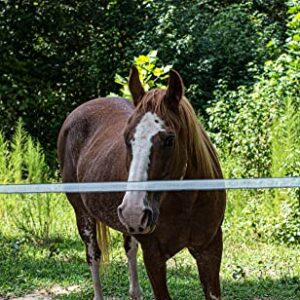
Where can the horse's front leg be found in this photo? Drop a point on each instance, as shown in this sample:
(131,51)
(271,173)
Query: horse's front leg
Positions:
(131,247)
(208,262)
(155,263)
(87,230)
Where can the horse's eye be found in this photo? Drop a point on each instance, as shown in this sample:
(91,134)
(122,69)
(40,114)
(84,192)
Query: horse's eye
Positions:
(169,141)
(128,142)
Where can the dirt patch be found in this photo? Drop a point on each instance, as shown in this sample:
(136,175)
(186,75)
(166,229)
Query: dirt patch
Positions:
(46,294)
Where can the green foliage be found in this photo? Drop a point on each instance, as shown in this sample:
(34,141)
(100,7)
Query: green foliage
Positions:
(151,75)
(55,56)
(247,117)
(258,129)
(23,161)
(286,162)
(211,40)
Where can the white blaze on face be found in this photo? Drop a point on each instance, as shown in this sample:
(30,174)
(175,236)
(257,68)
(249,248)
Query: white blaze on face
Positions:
(149,126)
(133,207)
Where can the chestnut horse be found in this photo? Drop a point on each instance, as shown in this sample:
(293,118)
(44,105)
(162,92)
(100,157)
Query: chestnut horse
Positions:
(157,137)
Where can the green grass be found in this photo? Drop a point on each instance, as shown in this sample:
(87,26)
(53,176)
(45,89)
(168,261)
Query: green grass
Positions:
(251,269)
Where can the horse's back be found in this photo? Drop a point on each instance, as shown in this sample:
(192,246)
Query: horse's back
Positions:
(105,116)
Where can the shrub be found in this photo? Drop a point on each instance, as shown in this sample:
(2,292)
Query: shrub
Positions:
(261,127)
(211,40)
(151,75)
(54,56)
(33,215)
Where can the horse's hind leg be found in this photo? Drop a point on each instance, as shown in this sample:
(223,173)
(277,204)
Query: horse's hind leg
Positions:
(87,230)
(93,255)
(208,262)
(131,247)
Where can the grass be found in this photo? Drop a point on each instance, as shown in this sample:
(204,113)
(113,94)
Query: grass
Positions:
(251,269)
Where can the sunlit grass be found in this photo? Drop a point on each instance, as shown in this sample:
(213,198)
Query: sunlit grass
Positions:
(250,270)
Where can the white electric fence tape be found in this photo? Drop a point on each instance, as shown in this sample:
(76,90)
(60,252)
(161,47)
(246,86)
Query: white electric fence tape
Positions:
(166,185)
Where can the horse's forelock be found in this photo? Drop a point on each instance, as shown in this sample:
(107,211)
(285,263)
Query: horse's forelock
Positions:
(154,101)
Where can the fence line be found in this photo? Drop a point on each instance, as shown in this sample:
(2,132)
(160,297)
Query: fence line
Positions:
(165,185)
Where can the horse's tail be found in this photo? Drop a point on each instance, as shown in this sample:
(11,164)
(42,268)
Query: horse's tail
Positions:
(103,240)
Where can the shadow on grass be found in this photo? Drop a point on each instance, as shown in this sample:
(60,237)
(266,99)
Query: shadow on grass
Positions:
(25,268)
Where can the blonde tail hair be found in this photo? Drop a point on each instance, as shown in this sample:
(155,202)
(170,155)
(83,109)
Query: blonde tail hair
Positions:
(103,240)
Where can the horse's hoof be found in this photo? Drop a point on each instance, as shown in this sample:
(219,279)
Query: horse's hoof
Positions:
(136,295)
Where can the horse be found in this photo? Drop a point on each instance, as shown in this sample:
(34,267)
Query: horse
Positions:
(156,136)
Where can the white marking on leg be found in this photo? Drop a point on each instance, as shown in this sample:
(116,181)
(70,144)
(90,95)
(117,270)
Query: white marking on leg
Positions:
(213,297)
(98,295)
(134,288)
(94,267)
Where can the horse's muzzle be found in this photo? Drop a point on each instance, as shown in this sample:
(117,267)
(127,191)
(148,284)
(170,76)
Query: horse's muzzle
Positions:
(135,215)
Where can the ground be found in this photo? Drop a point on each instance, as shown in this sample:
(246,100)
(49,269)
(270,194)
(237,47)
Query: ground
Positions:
(250,271)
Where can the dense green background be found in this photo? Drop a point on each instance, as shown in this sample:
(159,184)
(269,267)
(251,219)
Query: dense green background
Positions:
(55,55)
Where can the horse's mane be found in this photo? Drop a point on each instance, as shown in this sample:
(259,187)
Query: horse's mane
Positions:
(201,153)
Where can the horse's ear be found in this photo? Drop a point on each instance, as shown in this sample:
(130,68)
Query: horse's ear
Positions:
(136,89)
(175,90)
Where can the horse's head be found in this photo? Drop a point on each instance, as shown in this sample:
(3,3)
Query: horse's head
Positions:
(154,152)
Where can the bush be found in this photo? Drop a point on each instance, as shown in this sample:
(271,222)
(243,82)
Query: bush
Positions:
(54,56)
(211,40)
(57,55)
(151,75)
(258,128)
(23,161)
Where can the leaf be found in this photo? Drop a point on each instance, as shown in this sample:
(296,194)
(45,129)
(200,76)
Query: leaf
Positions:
(149,67)
(296,37)
(120,80)
(142,59)
(158,71)
(167,68)
(153,54)
(270,44)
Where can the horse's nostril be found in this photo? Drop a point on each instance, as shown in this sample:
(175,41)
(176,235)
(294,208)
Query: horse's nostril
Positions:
(120,213)
(131,230)
(141,229)
(147,218)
